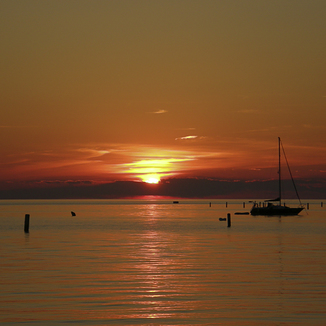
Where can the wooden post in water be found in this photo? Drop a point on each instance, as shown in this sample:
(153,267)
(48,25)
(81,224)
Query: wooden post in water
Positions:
(307,205)
(229,220)
(26,225)
(226,204)
(244,205)
(321,204)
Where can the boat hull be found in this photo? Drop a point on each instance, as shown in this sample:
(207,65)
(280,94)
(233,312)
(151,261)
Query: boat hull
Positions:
(276,211)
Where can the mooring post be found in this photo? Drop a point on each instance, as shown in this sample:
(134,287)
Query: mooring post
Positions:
(229,220)
(321,204)
(244,205)
(226,204)
(26,225)
(307,205)
(210,204)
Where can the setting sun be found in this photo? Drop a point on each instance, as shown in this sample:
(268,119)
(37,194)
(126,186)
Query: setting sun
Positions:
(151,178)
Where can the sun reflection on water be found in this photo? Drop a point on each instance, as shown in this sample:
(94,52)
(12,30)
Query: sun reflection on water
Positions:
(156,267)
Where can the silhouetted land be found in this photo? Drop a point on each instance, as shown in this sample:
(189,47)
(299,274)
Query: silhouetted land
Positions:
(179,188)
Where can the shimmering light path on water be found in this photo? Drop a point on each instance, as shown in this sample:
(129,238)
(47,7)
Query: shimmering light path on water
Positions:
(155,263)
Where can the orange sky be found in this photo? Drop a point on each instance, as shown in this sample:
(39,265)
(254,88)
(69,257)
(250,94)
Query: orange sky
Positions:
(132,90)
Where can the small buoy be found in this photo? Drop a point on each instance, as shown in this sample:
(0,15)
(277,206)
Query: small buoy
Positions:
(73,213)
(175,202)
(222,219)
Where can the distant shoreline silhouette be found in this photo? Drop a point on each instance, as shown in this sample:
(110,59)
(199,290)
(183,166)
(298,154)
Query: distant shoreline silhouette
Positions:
(174,188)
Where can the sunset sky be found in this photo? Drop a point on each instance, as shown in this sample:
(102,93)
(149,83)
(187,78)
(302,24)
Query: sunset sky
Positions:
(140,90)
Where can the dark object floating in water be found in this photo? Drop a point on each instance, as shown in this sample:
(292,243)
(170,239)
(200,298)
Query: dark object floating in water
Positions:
(175,202)
(222,219)
(241,213)
(73,213)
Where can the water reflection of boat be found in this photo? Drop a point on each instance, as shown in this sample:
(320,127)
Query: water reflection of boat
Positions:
(268,207)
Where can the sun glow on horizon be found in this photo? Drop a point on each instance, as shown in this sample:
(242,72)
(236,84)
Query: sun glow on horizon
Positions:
(151,178)
(151,170)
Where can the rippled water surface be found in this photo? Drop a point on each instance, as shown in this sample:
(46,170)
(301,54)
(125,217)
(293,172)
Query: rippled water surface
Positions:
(157,263)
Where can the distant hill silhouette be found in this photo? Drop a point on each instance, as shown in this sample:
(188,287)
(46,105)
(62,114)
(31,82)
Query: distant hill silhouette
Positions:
(179,188)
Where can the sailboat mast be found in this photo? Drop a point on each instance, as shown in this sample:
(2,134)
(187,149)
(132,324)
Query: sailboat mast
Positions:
(279,170)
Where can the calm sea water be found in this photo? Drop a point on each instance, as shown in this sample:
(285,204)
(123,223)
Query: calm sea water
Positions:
(151,262)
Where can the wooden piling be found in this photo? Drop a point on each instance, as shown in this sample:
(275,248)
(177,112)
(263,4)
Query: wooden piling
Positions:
(226,204)
(229,220)
(321,204)
(307,205)
(26,225)
(244,205)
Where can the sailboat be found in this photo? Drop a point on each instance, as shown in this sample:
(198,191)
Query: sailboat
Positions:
(269,208)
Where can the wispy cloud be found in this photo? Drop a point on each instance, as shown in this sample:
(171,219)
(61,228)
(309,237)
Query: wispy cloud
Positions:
(93,152)
(186,138)
(192,137)
(159,112)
